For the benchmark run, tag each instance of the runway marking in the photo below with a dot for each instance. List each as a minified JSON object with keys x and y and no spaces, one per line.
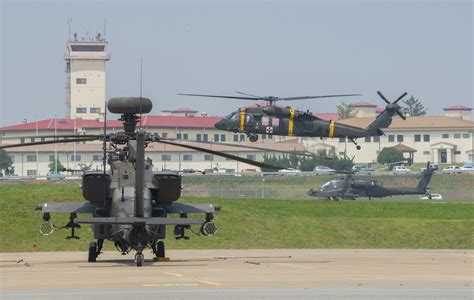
{"x":173,"y":274}
{"x":207,"y":282}
{"x":170,"y":285}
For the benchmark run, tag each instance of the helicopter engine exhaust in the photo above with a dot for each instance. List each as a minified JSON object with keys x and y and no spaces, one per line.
{"x":209,"y":228}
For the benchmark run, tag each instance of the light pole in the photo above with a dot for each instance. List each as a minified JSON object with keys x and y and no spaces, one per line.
{"x":263,"y":188}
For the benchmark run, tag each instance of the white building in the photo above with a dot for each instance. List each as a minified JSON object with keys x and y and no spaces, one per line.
{"x":86,"y":78}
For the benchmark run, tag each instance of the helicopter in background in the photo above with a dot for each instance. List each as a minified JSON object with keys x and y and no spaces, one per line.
{"x":286,"y":121}
{"x":131,"y":205}
{"x":349,"y":188}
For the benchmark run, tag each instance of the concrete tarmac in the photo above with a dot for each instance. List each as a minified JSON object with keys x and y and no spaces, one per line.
{"x":242,"y":274}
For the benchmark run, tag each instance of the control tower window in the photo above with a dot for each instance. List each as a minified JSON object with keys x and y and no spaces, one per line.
{"x":95,"y":110}
{"x":88,"y":48}
{"x":81,"y":80}
{"x":81,"y":110}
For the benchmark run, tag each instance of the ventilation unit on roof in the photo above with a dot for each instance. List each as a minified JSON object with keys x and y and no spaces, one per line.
{"x":204,"y":114}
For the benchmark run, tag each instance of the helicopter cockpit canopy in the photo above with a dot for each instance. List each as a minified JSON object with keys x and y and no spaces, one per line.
{"x":328,"y":186}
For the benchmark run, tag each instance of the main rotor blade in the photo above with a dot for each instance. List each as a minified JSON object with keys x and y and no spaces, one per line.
{"x":401,"y":115}
{"x":317,"y":97}
{"x":299,"y":153}
{"x":249,"y":95}
{"x":226,"y":155}
{"x":226,"y":97}
{"x":48,"y":142}
{"x":383,"y":97}
{"x":400,"y":98}
{"x":52,"y":136}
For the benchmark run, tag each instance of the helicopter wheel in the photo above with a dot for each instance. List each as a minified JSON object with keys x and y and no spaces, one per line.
{"x":92,"y":252}
{"x":139,"y":258}
{"x":253,"y":138}
{"x":160,"y":249}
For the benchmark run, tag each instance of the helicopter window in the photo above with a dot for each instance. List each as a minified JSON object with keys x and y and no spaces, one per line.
{"x":275,"y":122}
{"x":233,"y":116}
{"x":265,"y":121}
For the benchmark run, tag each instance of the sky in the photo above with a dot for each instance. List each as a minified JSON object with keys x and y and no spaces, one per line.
{"x":278,"y":48}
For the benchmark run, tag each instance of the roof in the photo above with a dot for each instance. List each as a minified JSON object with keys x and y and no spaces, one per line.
{"x":404,"y":148}
{"x":457,"y":107}
{"x":328,"y":116}
{"x":379,"y":109}
{"x":148,"y":121}
{"x":428,"y":123}
{"x":363,"y":104}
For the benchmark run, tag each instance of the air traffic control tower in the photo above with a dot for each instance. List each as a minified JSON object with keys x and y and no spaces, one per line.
{"x":86,"y":77}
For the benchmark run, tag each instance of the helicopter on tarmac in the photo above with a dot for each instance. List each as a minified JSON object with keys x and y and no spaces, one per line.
{"x":131,"y":204}
{"x":349,"y":188}
{"x":286,"y":121}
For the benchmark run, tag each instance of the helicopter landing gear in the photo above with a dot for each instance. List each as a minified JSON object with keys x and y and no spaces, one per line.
{"x":139,"y":258}
{"x":92,"y":252}
{"x":73,"y":226}
{"x":252,"y":137}
{"x":358,"y":147}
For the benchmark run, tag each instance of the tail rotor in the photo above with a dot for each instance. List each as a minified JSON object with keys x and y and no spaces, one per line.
{"x":393,"y":106}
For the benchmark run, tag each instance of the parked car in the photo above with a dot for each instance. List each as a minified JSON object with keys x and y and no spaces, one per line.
{"x":432,"y":166}
{"x":467,"y":168}
{"x":360,"y":170}
{"x":452,"y":170}
{"x":433,"y":197}
{"x":323,"y":170}
{"x":55,"y":175}
{"x":289,"y":171}
{"x":401,"y":170}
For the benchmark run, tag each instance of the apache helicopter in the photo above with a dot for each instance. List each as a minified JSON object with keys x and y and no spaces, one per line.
{"x":349,"y":188}
{"x":286,"y":121}
{"x":130,"y":204}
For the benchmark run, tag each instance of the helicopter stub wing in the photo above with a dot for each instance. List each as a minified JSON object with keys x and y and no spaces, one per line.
{"x":179,"y":208}
{"x":138,"y":221}
{"x":83,"y":207}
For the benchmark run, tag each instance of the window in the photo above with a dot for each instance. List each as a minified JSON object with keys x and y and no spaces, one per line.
{"x":81,"y":80}
{"x":87,"y":48}
{"x":22,"y":140}
{"x":96,"y":157}
{"x":198,"y":137}
{"x":252,"y":156}
{"x":81,"y":110}
{"x":275,"y":122}
{"x":32,"y":140}
{"x":426,"y":152}
{"x":43,"y":139}
{"x":417,"y":137}
{"x":166,"y":157}
{"x":391,"y":138}
{"x":367,"y":139}
{"x":400,"y":138}
{"x":205,"y":137}
{"x":466,"y":135}
{"x":426,"y":137}
{"x":185,"y":136}
{"x":222,"y":137}
{"x":457,"y":152}
{"x":31,"y":157}
{"x":77,"y":158}
{"x":164,"y":134}
{"x":236,"y":137}
{"x":178,"y":136}
{"x":445,"y":136}
{"x":51,"y":158}
{"x":94,"y":110}
{"x":377,"y":139}
{"x":457,"y":135}
{"x":242,"y":137}
{"x":208,"y":157}
{"x":216,"y":137}
{"x":342,"y":140}
{"x":187,"y":157}
{"x":31,"y":172}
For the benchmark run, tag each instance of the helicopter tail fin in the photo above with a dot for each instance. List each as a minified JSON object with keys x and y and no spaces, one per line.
{"x":425,"y":178}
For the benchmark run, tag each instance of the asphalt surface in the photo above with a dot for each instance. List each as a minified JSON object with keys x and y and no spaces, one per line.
{"x":242,"y":274}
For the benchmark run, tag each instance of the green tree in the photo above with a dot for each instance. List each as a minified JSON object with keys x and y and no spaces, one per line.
{"x":414,"y":107}
{"x":85,"y":167}
{"x":5,"y":160}
{"x":389,"y":155}
{"x":52,"y":166}
{"x":346,"y":111}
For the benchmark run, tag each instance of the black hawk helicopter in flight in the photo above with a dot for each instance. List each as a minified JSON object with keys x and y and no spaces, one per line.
{"x":349,"y":188}
{"x":286,"y":121}
{"x":131,"y":204}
